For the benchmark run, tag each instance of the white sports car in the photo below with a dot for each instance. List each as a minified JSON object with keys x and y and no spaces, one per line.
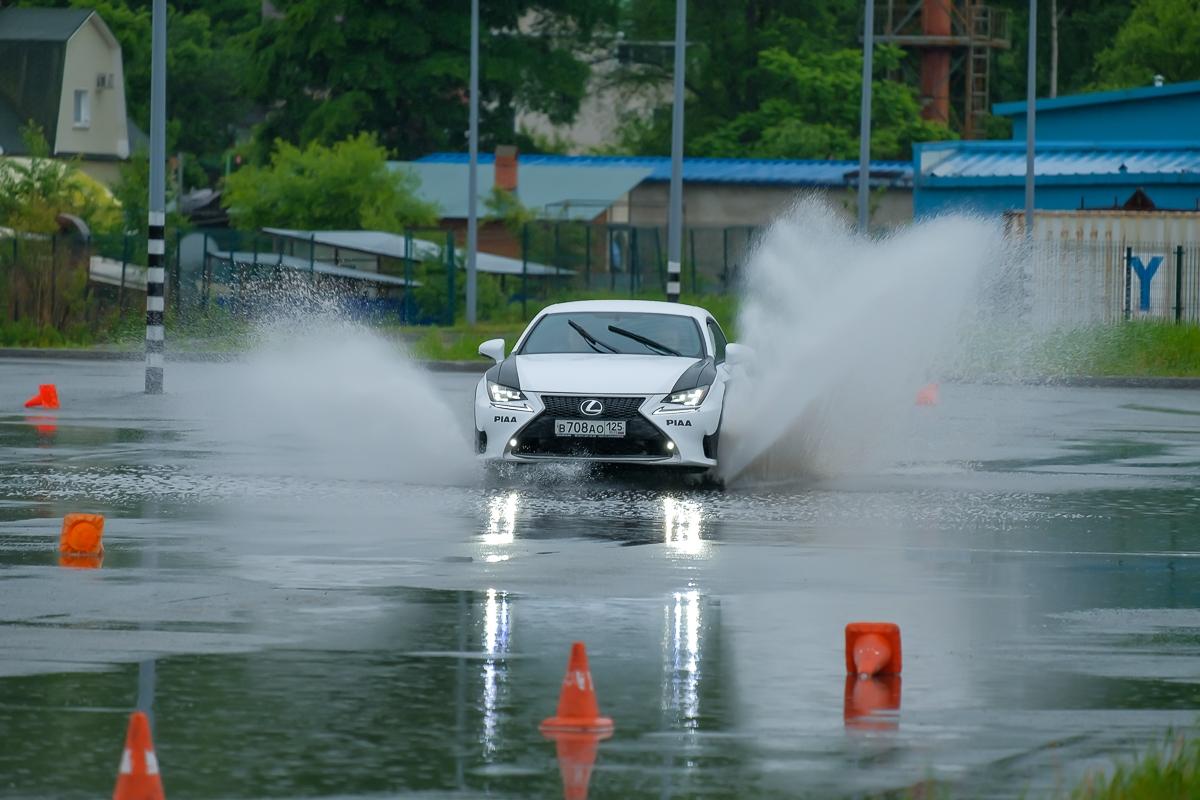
{"x":630,"y":381}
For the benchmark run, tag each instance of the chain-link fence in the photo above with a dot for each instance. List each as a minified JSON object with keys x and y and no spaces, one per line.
{"x":417,"y":277}
{"x":74,"y":287}
{"x":1073,"y":283}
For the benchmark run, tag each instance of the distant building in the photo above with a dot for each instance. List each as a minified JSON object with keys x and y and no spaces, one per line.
{"x":61,"y":68}
{"x":1167,"y":113}
{"x":726,"y":202}
{"x":633,"y":190}
{"x":1133,"y":149}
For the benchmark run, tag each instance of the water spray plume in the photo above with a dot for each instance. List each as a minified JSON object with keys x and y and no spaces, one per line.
{"x":324,"y":397}
{"x":845,"y":328}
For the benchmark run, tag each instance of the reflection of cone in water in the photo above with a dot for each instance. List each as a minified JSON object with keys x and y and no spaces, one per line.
{"x":869,"y":699}
{"x":75,"y":561}
{"x":577,"y":706}
{"x":138,"y":778}
{"x":576,"y":756}
{"x":47,"y":397}
{"x":873,"y":648}
{"x":46,"y":425}
{"x":82,"y":534}
{"x":928,"y":395}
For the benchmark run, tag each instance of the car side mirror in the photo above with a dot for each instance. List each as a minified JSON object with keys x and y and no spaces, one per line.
{"x":736,"y":354}
{"x":493,"y":349}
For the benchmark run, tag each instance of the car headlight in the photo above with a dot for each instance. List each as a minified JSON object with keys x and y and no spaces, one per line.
{"x":503,"y":394}
{"x":690,"y":397}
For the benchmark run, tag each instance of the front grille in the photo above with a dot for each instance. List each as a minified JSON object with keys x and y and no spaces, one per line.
{"x":567,"y":406}
{"x":641,"y":440}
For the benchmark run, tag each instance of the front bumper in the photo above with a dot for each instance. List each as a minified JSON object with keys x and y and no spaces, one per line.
{"x":507,"y":432}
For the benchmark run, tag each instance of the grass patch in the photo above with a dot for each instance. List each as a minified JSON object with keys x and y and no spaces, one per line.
{"x":1169,"y":772}
{"x":1135,"y":349}
{"x":26,"y":334}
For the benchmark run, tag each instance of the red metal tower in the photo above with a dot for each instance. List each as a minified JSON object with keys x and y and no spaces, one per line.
{"x":954,"y":39}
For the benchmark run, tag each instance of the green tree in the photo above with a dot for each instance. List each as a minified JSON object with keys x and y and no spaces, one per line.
{"x":36,"y":189}
{"x":774,"y":80}
{"x":330,"y":68}
{"x":346,"y":186}
{"x":1160,"y":37}
{"x":812,"y":110}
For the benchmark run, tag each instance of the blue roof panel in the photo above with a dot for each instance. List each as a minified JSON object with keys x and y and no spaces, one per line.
{"x":716,"y":170}
{"x":1017,"y":108}
{"x":1007,"y":159}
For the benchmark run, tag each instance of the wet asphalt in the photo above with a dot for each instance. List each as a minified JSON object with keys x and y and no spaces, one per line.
{"x":303,"y":624}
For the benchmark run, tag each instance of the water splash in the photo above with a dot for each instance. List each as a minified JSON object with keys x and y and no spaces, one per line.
{"x":323,"y":397}
{"x":846,"y":329}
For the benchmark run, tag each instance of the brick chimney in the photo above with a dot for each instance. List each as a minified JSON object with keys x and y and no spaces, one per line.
{"x":506,"y":168}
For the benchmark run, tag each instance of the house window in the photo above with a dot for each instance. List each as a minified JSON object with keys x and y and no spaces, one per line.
{"x":83,"y":109}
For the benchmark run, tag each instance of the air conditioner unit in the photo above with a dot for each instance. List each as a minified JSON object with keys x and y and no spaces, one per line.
{"x":105,"y":80}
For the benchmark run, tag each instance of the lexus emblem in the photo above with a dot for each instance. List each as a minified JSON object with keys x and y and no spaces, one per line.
{"x":592,"y":408}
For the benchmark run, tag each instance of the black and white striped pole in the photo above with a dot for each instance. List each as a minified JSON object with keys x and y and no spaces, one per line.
{"x":675,"y":218}
{"x":155,"y":249}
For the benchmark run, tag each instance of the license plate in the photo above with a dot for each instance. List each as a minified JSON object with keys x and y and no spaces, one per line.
{"x":583,"y":427}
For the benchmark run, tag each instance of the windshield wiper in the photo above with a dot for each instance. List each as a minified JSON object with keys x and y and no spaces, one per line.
{"x":592,"y":341}
{"x":637,"y":337}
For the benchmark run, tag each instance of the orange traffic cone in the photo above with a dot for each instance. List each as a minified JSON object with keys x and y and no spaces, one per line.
{"x":873,"y":648}
{"x":868,"y":701}
{"x":82,"y":534}
{"x":71,"y":561}
{"x":138,"y":778}
{"x":928,"y":395}
{"x":576,"y":756}
{"x":47,"y":397}
{"x":577,"y":706}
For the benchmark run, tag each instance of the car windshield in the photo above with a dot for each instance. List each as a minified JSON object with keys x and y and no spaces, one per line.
{"x":615,"y":332}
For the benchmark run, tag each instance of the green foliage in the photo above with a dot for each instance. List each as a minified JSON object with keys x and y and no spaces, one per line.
{"x":812,"y":110}
{"x":1140,"y":348}
{"x":430,"y":296}
{"x":1160,"y":37}
{"x":346,"y":186}
{"x":34,"y":190}
{"x":328,"y":69}
{"x":27,"y":333}
{"x":773,"y":81}
{"x":506,"y":207}
{"x":1170,"y":772}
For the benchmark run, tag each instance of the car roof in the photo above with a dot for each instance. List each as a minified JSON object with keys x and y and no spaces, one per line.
{"x":629,"y":307}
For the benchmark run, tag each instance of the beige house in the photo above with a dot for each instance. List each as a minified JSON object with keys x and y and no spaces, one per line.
{"x":61,"y":68}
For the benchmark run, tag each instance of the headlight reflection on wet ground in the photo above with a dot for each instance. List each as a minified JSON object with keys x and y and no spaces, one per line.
{"x":681,"y":650}
{"x":494,"y":673}
{"x":502,"y":519}
{"x":682,"y":525}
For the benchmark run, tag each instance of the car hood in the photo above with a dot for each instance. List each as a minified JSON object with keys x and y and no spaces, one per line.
{"x":586,"y":373}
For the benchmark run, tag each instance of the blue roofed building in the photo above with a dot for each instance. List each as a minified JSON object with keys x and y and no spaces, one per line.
{"x":1168,"y":113}
{"x":1133,"y":149}
{"x":633,"y":190}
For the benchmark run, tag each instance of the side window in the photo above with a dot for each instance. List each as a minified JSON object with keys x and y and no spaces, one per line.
{"x":719,"y":341}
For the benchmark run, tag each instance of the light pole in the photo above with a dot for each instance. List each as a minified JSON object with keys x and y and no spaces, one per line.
{"x":675,"y":218}
{"x":155,"y":244}
{"x":1030,"y":117}
{"x":473,"y":168}
{"x":864,"y":124}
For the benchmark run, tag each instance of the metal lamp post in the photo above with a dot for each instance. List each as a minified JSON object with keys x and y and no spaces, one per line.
{"x":675,"y":218}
